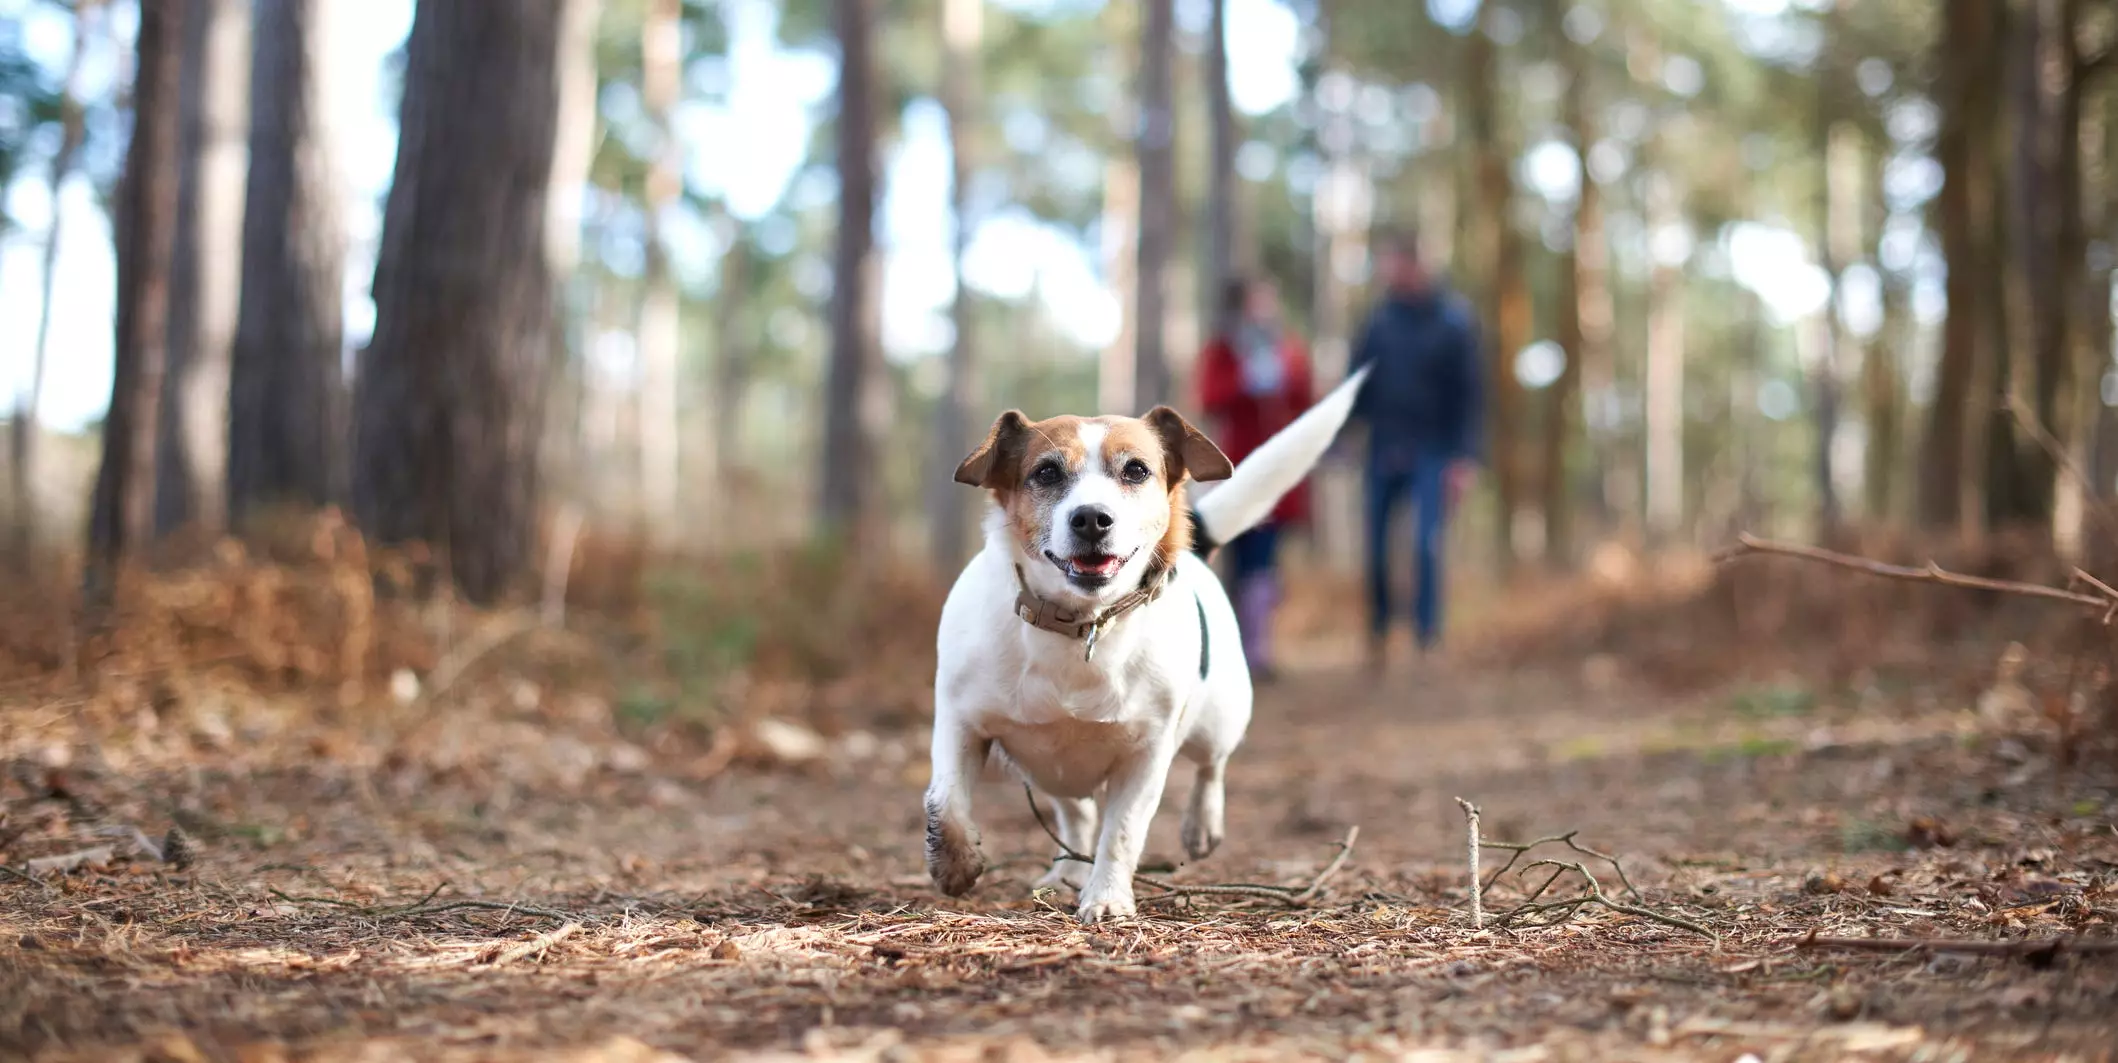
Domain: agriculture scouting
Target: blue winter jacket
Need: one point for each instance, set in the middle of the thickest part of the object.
(1425, 397)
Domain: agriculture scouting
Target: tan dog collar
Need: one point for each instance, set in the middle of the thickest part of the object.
(1047, 615)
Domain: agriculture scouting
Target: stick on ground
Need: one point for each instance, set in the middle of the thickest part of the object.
(2028, 947)
(1747, 545)
(1478, 910)
(1567, 908)
(1292, 896)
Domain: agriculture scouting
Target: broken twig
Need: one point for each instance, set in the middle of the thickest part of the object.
(1478, 908)
(1933, 573)
(1569, 907)
(1516, 849)
(536, 945)
(1345, 849)
(1291, 896)
(65, 862)
(2044, 948)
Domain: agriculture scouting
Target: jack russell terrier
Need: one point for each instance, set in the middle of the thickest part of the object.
(1089, 643)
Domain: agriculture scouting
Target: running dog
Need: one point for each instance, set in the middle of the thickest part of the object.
(1089, 644)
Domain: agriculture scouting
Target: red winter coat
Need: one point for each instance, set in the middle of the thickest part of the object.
(1241, 423)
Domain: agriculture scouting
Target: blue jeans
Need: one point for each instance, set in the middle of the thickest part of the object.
(1255, 551)
(1425, 481)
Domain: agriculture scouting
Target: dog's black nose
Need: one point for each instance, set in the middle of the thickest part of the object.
(1092, 522)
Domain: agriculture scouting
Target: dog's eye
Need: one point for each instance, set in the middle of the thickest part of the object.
(1047, 474)
(1137, 472)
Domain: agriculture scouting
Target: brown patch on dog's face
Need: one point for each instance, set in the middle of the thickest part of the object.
(1091, 503)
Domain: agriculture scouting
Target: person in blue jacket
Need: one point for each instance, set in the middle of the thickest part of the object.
(1423, 404)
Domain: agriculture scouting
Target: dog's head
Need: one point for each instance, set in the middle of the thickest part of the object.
(1092, 502)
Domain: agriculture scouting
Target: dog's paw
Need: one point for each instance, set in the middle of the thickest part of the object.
(1071, 874)
(1200, 838)
(1103, 906)
(953, 859)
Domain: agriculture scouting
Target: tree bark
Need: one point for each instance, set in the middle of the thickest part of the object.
(1223, 259)
(661, 334)
(1563, 415)
(1155, 147)
(206, 276)
(2044, 228)
(1121, 257)
(855, 403)
(1507, 294)
(962, 32)
(287, 401)
(449, 402)
(1665, 373)
(731, 353)
(22, 427)
(121, 524)
(1952, 453)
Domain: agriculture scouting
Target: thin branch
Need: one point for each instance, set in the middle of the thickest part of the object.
(2027, 419)
(1291, 896)
(1345, 849)
(1516, 849)
(1595, 895)
(1066, 852)
(66, 862)
(453, 666)
(26, 877)
(536, 945)
(1478, 908)
(1932, 573)
(2026, 947)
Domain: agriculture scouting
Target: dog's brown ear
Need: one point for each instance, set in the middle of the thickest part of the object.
(994, 463)
(1187, 449)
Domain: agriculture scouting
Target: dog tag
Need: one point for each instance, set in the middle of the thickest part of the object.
(1095, 631)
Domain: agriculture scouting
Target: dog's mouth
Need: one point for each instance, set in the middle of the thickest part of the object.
(1089, 571)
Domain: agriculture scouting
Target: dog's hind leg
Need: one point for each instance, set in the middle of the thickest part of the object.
(953, 859)
(1204, 825)
(1076, 826)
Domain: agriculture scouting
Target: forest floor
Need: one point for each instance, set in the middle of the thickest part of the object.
(516, 880)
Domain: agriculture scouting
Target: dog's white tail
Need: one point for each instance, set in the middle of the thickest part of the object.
(1235, 505)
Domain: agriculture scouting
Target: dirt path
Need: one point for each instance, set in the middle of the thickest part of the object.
(785, 911)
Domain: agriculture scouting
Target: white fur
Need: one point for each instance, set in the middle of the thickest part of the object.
(1235, 505)
(1077, 730)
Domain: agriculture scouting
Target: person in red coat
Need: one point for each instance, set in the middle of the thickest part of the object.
(1253, 379)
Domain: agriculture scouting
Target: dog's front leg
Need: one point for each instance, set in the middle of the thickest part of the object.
(1134, 792)
(952, 839)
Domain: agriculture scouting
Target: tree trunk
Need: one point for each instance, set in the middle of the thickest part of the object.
(22, 427)
(287, 395)
(1881, 384)
(1665, 373)
(2045, 230)
(449, 402)
(121, 524)
(1577, 277)
(1156, 150)
(1507, 297)
(1951, 460)
(1825, 372)
(573, 296)
(206, 273)
(660, 314)
(1598, 313)
(2101, 463)
(731, 354)
(1121, 250)
(1223, 259)
(962, 32)
(854, 405)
